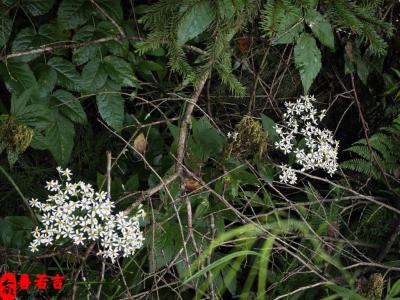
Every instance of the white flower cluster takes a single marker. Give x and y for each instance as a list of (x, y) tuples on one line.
[(76, 212), (301, 122), (233, 135)]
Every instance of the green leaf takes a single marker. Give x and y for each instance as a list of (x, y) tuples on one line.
[(362, 69), (49, 33), (46, 78), (68, 76), (84, 54), (307, 59), (165, 245), (70, 106), (37, 7), (17, 76), (195, 21), (73, 13), (60, 139), (5, 29), (94, 76), (289, 25), (394, 290), (269, 127), (113, 8), (35, 115), (321, 28), (111, 105), (19, 102), (15, 231), (24, 40), (120, 71), (206, 136)]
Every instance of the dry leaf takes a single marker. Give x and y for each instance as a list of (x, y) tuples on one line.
[(191, 184), (140, 143), (244, 43)]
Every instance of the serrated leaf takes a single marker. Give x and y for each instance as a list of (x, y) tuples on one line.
[(68, 76), (321, 28), (269, 127), (49, 33), (84, 54), (24, 40), (5, 29), (70, 106), (165, 245), (37, 7), (113, 8), (207, 136), (289, 24), (46, 78), (362, 69), (35, 115), (12, 156), (196, 20), (72, 13), (120, 71), (19, 102), (18, 76), (111, 105), (307, 58), (94, 76), (60, 139)]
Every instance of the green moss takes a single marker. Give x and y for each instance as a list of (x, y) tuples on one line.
[(251, 141)]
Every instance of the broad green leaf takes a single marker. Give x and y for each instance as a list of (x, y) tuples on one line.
[(19, 102), (206, 136), (60, 139), (196, 20), (24, 40), (15, 231), (37, 7), (394, 290), (84, 54), (49, 33), (68, 76), (28, 39), (289, 24), (35, 115), (5, 29), (307, 59), (46, 78), (17, 76), (94, 76), (113, 8), (73, 13), (362, 68), (12, 156), (321, 28), (111, 105), (269, 127), (70, 106), (148, 66), (120, 71), (167, 243)]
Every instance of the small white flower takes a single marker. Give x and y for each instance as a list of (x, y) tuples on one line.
[(288, 175), (300, 123), (76, 212), (34, 202), (52, 185)]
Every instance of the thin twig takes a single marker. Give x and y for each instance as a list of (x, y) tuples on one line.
[(121, 31)]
